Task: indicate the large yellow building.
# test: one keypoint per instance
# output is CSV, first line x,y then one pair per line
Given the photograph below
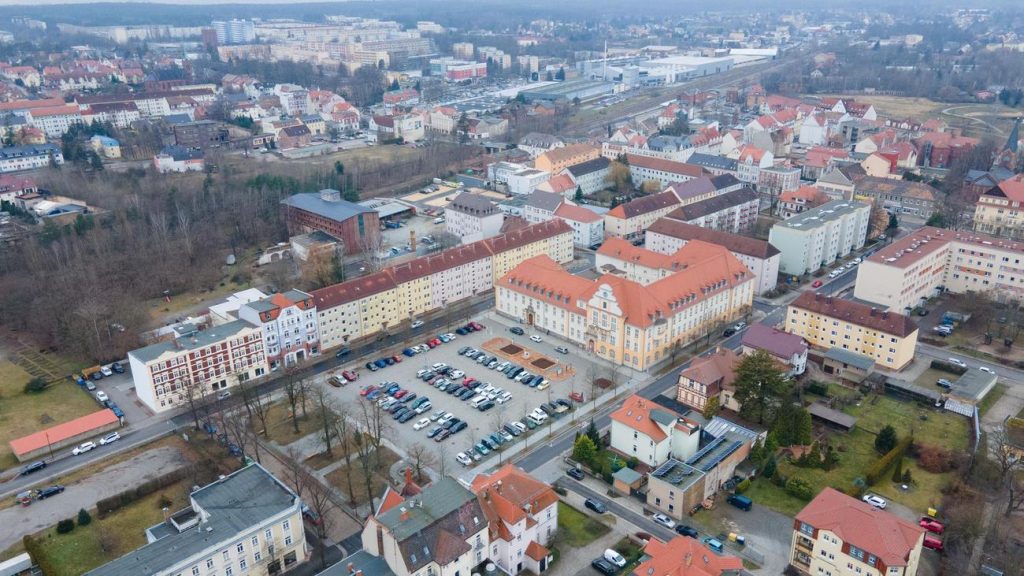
x,y
383,301
1000,211
624,321
825,322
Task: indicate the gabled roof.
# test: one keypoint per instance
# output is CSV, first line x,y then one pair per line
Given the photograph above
x,y
662,165
645,416
644,205
883,534
856,313
684,556
1011,189
712,205
510,495
733,242
577,213
588,167
546,201
717,371
776,342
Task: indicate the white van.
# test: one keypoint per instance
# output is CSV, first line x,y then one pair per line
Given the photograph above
x,y
477,401
439,220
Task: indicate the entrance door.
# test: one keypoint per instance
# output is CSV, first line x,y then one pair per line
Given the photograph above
x,y
529,318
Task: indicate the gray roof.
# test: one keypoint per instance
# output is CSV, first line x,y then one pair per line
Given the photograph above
x,y
589,167
820,411
714,204
547,201
475,204
540,140
663,418
974,385
236,504
849,357
181,153
362,560
195,341
712,161
627,475
677,473
819,215
28,151
338,210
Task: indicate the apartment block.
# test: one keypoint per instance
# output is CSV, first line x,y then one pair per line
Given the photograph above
x,y
664,172
247,522
1000,210
382,301
290,327
840,535
15,158
732,212
825,322
557,159
631,219
472,217
817,237
197,363
652,434
919,266
522,513
624,321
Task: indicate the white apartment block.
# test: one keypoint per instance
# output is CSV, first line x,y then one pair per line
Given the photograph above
x,y
525,181
57,120
197,363
15,158
652,434
817,237
247,523
904,274
645,169
472,217
289,324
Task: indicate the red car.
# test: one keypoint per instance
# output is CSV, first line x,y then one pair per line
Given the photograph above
x,y
367,390
349,375
469,380
436,341
816,284
400,393
933,543
397,358
476,326
931,525
430,344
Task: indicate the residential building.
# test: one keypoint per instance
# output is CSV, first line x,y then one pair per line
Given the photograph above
x,y
715,165
234,31
200,134
817,237
15,158
560,158
675,488
709,377
684,556
793,202
522,514
663,172
56,120
197,363
774,181
179,159
749,163
289,323
652,434
901,197
732,212
441,530
106,146
247,522
704,188
541,206
355,225
590,176
472,217
587,225
788,349
376,303
825,322
623,321
902,275
537,143
629,220
719,458
1000,210
667,236
526,180
12,187
839,182
843,536
941,149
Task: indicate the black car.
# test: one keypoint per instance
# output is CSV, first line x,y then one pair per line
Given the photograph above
x,y
343,352
33,467
604,567
728,332
448,425
50,491
516,330
371,366
685,530
389,360
408,398
400,412
564,402
434,431
575,473
398,406
461,331
118,368
511,430
459,427
407,416
463,350
595,505
467,393
486,406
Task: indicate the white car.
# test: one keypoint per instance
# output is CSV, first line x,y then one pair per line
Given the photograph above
x,y
543,385
615,558
986,369
463,459
421,424
223,395
664,521
450,335
519,426
417,323
504,397
457,374
446,418
536,338
102,397
112,437
106,371
957,362
876,501
739,326
83,448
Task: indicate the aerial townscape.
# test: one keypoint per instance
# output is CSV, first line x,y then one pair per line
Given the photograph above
x,y
492,288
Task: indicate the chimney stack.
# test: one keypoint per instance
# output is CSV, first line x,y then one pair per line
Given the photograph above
x,y
404,515
828,300
408,475
817,296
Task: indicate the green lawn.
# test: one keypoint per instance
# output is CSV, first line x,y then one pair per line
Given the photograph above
x,y
856,453
104,540
22,414
577,529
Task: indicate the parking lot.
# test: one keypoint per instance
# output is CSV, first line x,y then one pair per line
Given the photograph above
x,y
520,401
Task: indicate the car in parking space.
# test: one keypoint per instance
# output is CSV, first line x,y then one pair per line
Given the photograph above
x,y
664,521
484,407
517,330
519,426
117,367
604,567
406,399
106,371
684,530
408,415
728,332
421,424
933,543
536,338
463,459
575,473
544,384
441,435
371,366
102,397
931,525
476,326
482,448
816,284
595,505
349,375
875,500
83,448
944,383
515,432
459,427
615,558
112,437
434,431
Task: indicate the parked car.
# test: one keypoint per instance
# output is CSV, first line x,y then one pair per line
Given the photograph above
x,y
49,491
350,375
944,383
931,525
102,397
223,395
112,437
416,324
536,338
741,502
33,467
117,367
684,530
561,349
728,332
343,352
664,521
83,448
933,543
517,330
463,459
106,371
816,284
875,500
986,369
595,505
604,567
615,558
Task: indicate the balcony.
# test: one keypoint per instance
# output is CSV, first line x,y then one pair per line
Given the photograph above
x,y
805,545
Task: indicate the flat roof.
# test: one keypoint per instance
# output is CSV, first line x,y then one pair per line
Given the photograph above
x,y
827,414
677,473
973,385
849,357
193,341
818,216
337,210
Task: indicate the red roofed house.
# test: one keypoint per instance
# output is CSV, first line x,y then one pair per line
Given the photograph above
x,y
44,442
12,186
683,556
523,516
707,377
289,324
843,536
750,162
941,149
651,433
793,202
644,169
587,225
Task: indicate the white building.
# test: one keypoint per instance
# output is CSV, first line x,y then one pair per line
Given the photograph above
x,y
590,176
526,180
179,159
56,120
817,237
523,516
541,206
234,31
652,434
248,522
664,172
750,161
472,217
537,143
14,158
197,363
587,225
289,324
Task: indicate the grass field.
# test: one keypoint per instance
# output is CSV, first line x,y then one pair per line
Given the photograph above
x,y
104,540
379,481
576,529
22,414
856,453
280,427
921,109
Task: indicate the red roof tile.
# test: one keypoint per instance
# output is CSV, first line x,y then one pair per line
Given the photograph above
x,y
62,432
856,313
683,556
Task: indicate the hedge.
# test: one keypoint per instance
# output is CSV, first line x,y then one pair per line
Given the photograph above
x,y
877,470
948,367
108,505
40,559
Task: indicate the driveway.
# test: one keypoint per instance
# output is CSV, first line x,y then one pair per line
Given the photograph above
x,y
18,521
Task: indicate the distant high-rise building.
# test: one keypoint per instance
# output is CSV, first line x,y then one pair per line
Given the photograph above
x,y
234,31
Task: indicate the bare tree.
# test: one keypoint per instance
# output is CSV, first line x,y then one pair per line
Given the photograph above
x,y
371,248
346,432
295,471
237,428
327,418
374,422
293,385
442,459
422,458
256,404
195,395
320,501
1010,466
364,447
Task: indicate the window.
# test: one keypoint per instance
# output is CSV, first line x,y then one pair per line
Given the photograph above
x,y
228,571
242,565
240,548
226,556
255,541
857,553
195,571
268,535
806,528
288,540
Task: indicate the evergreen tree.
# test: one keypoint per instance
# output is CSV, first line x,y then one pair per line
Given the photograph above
x,y
759,387
579,194
594,435
804,427
395,85
584,449
84,519
897,474
769,468
886,439
711,408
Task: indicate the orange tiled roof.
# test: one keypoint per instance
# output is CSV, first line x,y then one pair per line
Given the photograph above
x,y
683,556
809,194
62,432
537,551
576,213
636,414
